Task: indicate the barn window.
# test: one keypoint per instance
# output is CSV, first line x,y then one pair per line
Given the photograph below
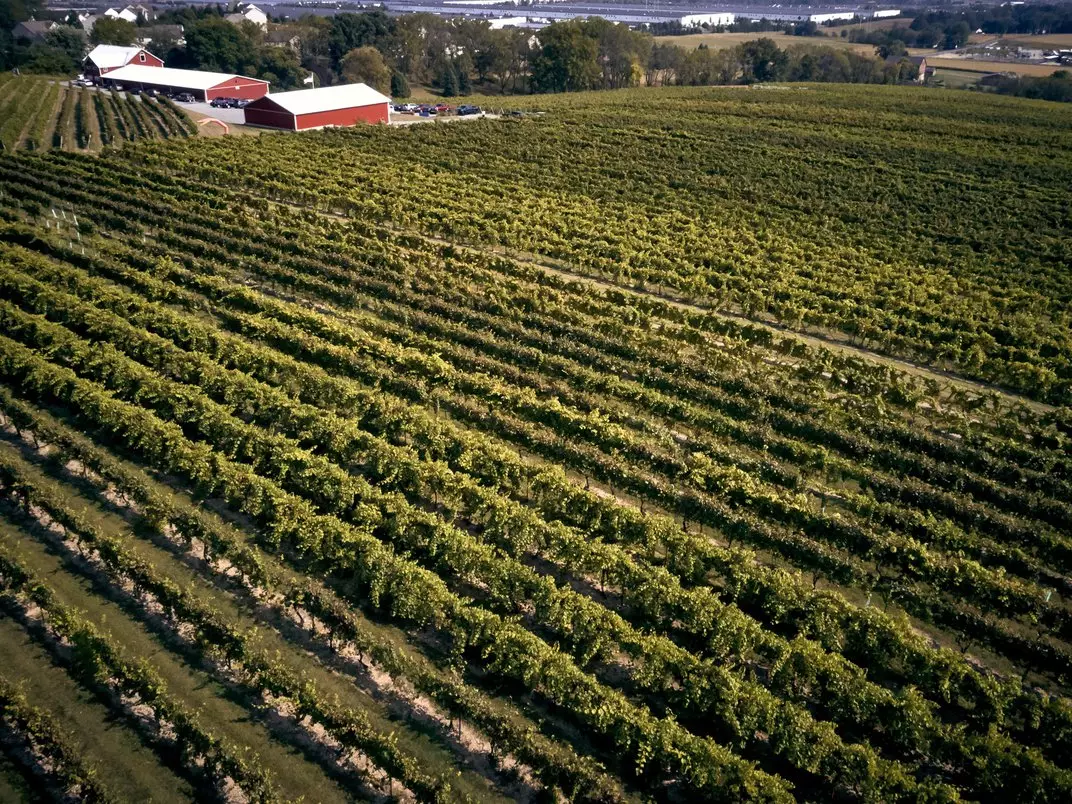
x,y
141,57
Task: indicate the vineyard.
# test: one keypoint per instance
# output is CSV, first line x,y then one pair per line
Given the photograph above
x,y
441,464
38,114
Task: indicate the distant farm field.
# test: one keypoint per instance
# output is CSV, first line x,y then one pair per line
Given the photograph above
x,y
957,79
669,446
719,41
981,66
1030,40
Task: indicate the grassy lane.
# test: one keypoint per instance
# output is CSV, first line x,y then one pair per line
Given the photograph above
x,y
131,770
295,775
424,746
14,787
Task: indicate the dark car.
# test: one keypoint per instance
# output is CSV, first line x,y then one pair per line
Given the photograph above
x,y
133,91
469,110
220,103
185,97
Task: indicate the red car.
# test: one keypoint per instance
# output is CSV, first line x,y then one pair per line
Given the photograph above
x,y
442,108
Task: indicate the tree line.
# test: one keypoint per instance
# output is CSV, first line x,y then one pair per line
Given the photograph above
x,y
459,56
454,56
951,29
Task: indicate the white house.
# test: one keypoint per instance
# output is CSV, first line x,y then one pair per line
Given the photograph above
x,y
130,13
125,14
250,13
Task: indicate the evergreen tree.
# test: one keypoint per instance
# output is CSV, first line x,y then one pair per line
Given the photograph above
x,y
449,82
465,83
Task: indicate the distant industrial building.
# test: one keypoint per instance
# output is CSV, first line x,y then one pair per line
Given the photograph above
x,y
688,16
204,86
303,109
711,19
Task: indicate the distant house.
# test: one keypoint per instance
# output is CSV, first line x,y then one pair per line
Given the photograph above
x,y
103,59
33,30
284,39
153,33
87,21
125,14
919,74
130,13
248,13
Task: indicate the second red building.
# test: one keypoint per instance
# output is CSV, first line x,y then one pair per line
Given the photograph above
x,y
345,105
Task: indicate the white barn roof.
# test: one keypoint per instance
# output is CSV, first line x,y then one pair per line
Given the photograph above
x,y
327,99
171,77
109,56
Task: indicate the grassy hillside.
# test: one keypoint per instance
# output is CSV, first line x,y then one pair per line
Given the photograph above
x,y
644,449
719,41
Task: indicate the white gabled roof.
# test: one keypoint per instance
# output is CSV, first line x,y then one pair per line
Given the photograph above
x,y
171,77
108,56
327,99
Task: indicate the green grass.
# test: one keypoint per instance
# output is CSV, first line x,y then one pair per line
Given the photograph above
x,y
425,746
14,787
295,775
131,770
957,79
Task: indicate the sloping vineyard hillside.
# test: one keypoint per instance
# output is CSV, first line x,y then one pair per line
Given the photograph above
x,y
928,226
430,465
39,113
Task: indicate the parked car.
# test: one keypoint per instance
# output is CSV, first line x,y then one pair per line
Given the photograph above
x,y
410,108
222,103
152,93
185,97
442,108
469,110
426,111
242,103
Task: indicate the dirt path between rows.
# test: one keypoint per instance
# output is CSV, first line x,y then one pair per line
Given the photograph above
x,y
815,341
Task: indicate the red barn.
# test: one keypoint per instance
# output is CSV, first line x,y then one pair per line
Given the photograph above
x,y
202,85
302,109
106,58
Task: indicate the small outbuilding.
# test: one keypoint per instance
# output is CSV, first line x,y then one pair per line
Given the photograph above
x,y
302,109
104,59
204,86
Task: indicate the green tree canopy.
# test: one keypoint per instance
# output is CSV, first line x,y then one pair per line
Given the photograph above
x,y
762,60
366,65
215,44
108,31
70,41
566,60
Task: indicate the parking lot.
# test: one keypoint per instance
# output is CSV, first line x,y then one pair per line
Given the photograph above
x,y
230,116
